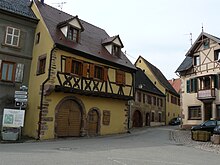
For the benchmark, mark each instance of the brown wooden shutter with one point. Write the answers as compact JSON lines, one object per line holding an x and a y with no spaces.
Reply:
{"x":68,"y":65}
{"x":91,"y":70}
{"x":105,"y":74}
{"x":85,"y":69}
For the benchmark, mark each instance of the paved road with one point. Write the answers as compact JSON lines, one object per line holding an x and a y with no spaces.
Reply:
{"x":148,"y":146}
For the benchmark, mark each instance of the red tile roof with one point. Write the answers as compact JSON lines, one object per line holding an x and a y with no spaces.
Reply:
{"x":176,"y":83}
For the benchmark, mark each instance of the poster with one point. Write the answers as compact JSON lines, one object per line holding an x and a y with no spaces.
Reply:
{"x":13,"y":118}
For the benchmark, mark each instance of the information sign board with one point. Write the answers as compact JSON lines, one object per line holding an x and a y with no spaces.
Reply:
{"x":13,"y":118}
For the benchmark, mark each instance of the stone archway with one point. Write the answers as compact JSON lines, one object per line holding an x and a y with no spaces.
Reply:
{"x":137,"y":119}
{"x":93,"y":122}
{"x":69,"y":118}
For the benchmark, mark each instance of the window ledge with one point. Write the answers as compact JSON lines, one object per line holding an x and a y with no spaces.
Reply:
{"x":11,"y":46}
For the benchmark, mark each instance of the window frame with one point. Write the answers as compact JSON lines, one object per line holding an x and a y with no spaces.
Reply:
{"x":7,"y":71}
{"x":73,"y":34}
{"x":12,"y":35}
{"x":196,"y":60}
{"x":116,"y":49}
{"x":41,"y":67}
{"x":120,"y":77}
{"x":197,"y":115}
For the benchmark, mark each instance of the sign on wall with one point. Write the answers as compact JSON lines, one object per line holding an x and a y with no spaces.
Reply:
{"x":13,"y":118}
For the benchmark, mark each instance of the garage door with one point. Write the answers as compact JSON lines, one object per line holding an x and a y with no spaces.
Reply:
{"x":68,"y":119}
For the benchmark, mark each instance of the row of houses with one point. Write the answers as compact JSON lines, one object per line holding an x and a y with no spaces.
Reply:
{"x":79,"y":81}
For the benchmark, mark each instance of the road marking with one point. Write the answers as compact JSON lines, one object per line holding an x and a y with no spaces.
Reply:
{"x":117,"y":161}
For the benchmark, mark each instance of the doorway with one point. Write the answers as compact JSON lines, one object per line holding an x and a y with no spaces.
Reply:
{"x":207,"y":111}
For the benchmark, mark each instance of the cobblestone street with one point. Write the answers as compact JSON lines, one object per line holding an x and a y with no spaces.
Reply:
{"x":183,"y":137}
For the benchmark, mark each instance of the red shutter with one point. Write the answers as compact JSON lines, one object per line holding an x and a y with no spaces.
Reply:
{"x":91,"y":70}
{"x":85,"y":69}
{"x":105,"y":74}
{"x":68,"y":65}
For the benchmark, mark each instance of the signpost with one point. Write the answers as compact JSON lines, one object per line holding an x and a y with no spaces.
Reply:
{"x":14,"y":118}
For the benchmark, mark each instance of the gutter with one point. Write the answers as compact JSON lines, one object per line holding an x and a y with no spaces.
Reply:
{"x":42,"y":93}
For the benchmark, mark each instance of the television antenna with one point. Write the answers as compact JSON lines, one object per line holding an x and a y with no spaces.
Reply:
{"x":60,"y":4}
{"x":190,"y":35}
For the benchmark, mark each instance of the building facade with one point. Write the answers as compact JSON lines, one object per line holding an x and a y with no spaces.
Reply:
{"x":17,"y":29}
{"x":80,"y":79}
{"x":199,"y":73}
{"x":172,"y":103}
{"x":148,"y":108}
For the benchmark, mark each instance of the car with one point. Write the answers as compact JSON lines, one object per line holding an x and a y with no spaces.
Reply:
{"x":217,"y":130}
{"x":208,"y":125}
{"x":175,"y":121}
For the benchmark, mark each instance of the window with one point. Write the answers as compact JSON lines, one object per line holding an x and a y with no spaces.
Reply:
{"x":41,"y":65}
{"x":149,"y":100}
{"x":73,"y":66}
{"x":206,"y":44}
{"x":194,"y":113}
{"x":37,"y":38}
{"x":196,"y":60}
{"x":192,"y":85}
{"x":152,"y":116}
{"x":12,"y":36}
{"x":144,"y":98}
{"x":99,"y":73}
{"x":160,"y":117}
{"x":168,"y":97}
{"x":7,"y":71}
{"x":116,"y":50}
{"x":76,"y":67}
{"x":139,"y":96}
{"x":218,"y":111}
{"x":154,"y":100}
{"x":161,"y":102}
{"x":73,"y":34}
{"x":158,"y":102}
{"x":120,"y":77}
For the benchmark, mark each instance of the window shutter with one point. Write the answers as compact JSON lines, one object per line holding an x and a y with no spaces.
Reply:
{"x":19,"y":72}
{"x":105,"y":74}
{"x":91,"y":70}
{"x":188,"y":86}
{"x":195,"y":84}
{"x":68,"y":65}
{"x":85,"y":69}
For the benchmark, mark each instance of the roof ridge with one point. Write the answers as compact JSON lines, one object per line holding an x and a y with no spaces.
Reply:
{"x":71,"y":16}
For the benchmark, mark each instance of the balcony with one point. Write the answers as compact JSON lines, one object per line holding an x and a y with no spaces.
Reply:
{"x":206,"y":94}
{"x":69,"y":83}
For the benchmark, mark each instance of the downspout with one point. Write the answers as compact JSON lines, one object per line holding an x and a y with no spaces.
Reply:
{"x":42,"y":92}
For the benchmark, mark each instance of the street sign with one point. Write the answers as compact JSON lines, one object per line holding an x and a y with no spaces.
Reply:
{"x":21,"y":96}
{"x":20,"y":100}
{"x":20,"y":92}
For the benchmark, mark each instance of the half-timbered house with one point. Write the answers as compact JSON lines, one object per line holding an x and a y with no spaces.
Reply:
{"x":199,"y":73}
{"x":80,"y":79}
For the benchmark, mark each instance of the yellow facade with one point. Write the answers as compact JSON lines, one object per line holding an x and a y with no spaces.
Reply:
{"x":49,"y":91}
{"x":172,"y":110}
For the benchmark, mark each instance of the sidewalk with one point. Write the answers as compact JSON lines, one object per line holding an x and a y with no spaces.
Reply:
{"x":183,"y":137}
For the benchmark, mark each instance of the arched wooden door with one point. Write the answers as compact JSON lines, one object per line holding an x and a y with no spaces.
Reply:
{"x":137,"y":119}
{"x":147,"y":123}
{"x":68,"y":119}
{"x":93,"y":121}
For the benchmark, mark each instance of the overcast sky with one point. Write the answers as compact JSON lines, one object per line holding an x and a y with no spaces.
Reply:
{"x":158,"y":30}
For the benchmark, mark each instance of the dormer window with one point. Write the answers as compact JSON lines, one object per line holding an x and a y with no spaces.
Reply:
{"x":116,"y":50}
{"x":73,"y":34}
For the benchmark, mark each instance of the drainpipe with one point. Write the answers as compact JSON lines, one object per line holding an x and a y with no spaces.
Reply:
{"x":42,"y":92}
